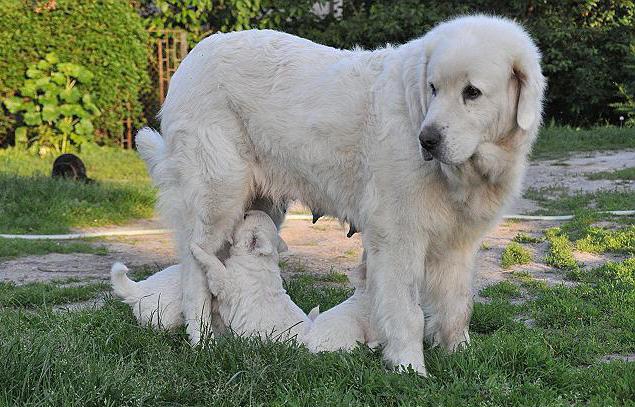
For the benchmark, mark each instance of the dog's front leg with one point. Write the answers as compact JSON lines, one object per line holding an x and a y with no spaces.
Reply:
{"x":394,"y":278}
{"x":448,"y":297}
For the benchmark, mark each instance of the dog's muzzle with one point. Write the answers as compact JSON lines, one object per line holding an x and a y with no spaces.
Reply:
{"x":430,"y":139}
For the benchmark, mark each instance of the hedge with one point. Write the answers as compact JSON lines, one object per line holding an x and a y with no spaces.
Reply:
{"x":106,"y":36}
{"x":586,"y":44}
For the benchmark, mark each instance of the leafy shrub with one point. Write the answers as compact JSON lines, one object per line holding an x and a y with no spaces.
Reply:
{"x":106,"y":36}
{"x":514,"y":254}
{"x":560,"y":253}
{"x":53,"y":108}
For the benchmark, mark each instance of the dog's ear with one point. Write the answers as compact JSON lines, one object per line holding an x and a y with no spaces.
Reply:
{"x":526,"y":70}
{"x":260,"y":244}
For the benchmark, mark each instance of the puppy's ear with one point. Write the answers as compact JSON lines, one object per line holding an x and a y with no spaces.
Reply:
{"x":260,"y":244}
{"x":526,"y":70}
{"x":313,"y":314}
{"x":282,"y":245}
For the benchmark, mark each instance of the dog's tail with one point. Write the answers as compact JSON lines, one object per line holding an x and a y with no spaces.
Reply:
{"x":152,"y":149}
{"x":124,"y":288}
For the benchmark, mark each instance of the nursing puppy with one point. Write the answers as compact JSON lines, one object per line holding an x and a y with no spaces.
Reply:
{"x":253,"y":302}
{"x":155,"y":300}
{"x":420,"y":147}
{"x":248,"y":287}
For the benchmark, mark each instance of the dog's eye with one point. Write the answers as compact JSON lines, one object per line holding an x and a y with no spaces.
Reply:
{"x":471,"y":93}
{"x":433,"y":89}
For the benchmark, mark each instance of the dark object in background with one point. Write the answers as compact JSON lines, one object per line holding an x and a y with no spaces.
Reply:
{"x":70,"y":166}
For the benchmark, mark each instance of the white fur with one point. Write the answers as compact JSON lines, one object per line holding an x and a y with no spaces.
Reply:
{"x":253,"y":302}
{"x":262,"y":112}
{"x":155,"y":300}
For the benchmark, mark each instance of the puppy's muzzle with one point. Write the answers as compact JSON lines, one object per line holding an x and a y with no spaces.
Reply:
{"x":430,"y":139}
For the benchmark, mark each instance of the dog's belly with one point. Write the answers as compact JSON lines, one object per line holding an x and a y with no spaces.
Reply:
{"x":325,"y":188}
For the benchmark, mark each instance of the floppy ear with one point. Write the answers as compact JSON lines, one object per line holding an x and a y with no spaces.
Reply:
{"x":532,"y":87}
{"x":215,"y":269}
{"x":260,"y":244}
{"x":282,"y":245}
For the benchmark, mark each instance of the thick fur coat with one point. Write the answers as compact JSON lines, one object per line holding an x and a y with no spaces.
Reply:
{"x":419,"y":146}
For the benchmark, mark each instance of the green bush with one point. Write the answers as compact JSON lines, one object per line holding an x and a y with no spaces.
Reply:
{"x":106,"y":36}
{"x":54,"y":110}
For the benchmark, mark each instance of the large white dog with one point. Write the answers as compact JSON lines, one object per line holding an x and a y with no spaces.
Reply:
{"x":418,"y":146}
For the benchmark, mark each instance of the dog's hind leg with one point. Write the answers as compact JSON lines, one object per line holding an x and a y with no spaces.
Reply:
{"x":215,"y":185}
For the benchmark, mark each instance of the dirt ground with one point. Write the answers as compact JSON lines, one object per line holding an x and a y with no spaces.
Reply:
{"x":324,"y":247}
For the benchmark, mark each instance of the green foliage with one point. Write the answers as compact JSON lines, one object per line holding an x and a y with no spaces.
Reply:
{"x":54,"y":110}
{"x":203,"y":17}
{"x":514,"y":254}
{"x":525,"y":238}
{"x":600,"y":240}
{"x":560,"y":253}
{"x":107,"y":37}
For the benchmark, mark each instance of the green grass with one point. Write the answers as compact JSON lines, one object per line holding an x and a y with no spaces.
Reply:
{"x":600,"y":240}
{"x":515,"y":254}
{"x":103,"y":357}
{"x":627,"y":174}
{"x":560,"y":141}
{"x":43,"y":294}
{"x":32,"y":202}
{"x":505,"y":290}
{"x":557,"y":202}
{"x":19,"y":247}
{"x":525,"y":238}
{"x":560,"y":252}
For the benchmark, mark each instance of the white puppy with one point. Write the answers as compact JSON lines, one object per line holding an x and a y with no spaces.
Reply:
{"x":248,"y":287}
{"x":253,"y":302}
{"x":155,"y":300}
{"x":345,"y":325}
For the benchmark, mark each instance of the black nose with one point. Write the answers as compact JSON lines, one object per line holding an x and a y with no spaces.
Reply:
{"x":430,"y":138}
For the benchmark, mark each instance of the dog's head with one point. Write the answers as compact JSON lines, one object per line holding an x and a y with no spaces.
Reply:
{"x":257,"y":235}
{"x":480,"y":81}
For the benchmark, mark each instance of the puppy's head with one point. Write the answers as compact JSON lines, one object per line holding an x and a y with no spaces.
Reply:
{"x":481,"y":80}
{"x":257,"y":235}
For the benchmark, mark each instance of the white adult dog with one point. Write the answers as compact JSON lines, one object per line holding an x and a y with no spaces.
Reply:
{"x":420,"y":147}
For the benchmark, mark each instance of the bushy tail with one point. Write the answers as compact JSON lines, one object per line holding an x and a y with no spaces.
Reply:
{"x":151,"y":148}
{"x":124,"y":288}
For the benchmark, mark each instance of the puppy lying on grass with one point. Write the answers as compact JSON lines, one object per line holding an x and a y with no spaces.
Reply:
{"x":250,"y":295}
{"x":155,"y":300}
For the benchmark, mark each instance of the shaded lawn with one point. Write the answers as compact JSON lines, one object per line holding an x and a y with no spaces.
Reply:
{"x":19,"y":247}
{"x":32,"y":202}
{"x":559,"y":141}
